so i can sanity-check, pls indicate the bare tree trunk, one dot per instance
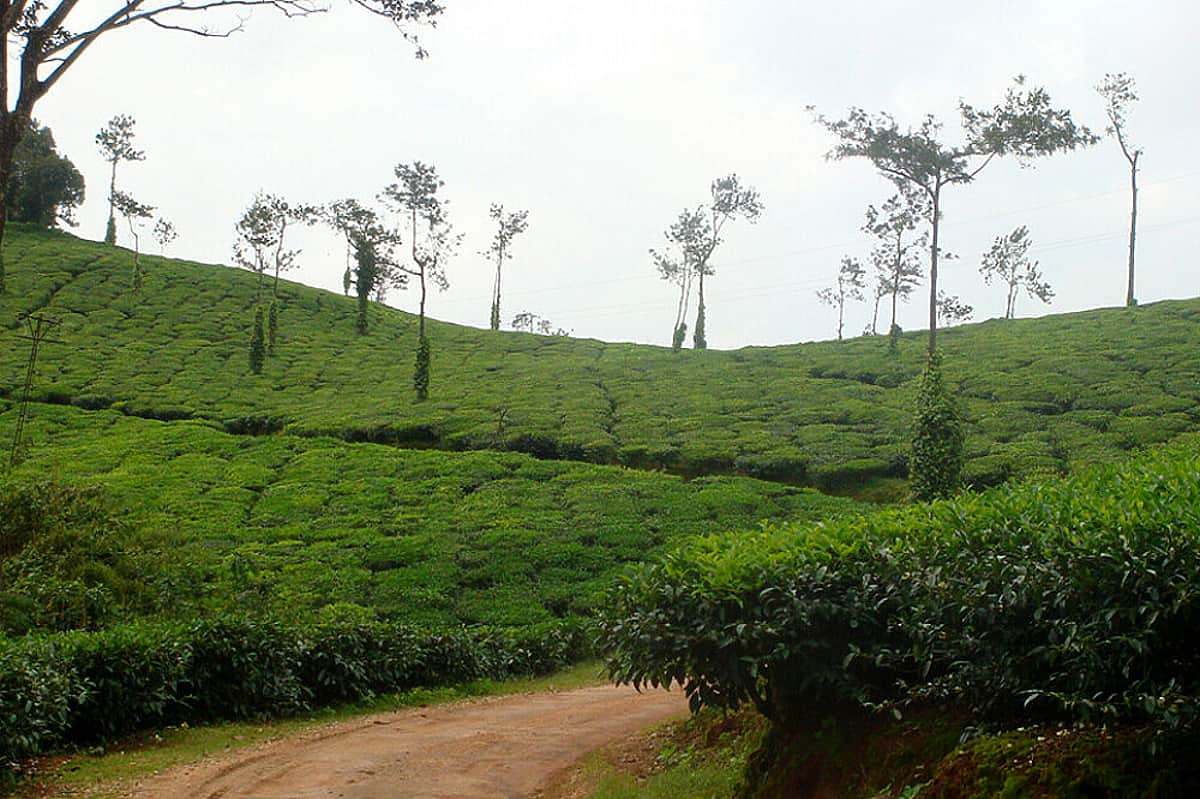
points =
(495, 321)
(841, 308)
(933, 269)
(110, 232)
(1129, 298)
(875, 314)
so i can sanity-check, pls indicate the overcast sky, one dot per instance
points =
(604, 120)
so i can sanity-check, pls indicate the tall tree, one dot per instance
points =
(849, 286)
(135, 213)
(373, 247)
(1025, 125)
(1118, 93)
(896, 255)
(44, 187)
(41, 40)
(116, 145)
(1008, 262)
(677, 263)
(432, 243)
(508, 226)
(261, 237)
(730, 200)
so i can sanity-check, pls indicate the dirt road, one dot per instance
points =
(498, 747)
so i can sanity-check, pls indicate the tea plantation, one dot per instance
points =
(1038, 395)
(290, 524)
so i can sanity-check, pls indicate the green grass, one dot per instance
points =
(1039, 395)
(104, 772)
(292, 524)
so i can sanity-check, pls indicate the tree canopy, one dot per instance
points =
(44, 187)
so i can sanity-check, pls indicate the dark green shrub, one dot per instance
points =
(421, 370)
(679, 337)
(258, 351)
(272, 325)
(1071, 598)
(242, 669)
(935, 467)
(37, 690)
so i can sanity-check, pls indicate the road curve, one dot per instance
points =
(496, 747)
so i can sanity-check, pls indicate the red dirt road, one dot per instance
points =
(498, 747)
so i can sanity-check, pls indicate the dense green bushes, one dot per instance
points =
(83, 687)
(293, 524)
(1075, 598)
(1036, 394)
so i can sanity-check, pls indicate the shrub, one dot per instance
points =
(937, 448)
(1072, 598)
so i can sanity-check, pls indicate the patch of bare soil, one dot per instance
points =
(498, 747)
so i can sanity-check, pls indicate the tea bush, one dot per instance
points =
(1070, 598)
(81, 687)
(790, 413)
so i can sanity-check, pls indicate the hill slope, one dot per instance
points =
(1038, 394)
(290, 524)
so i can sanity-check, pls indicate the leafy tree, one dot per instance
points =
(1008, 262)
(1024, 126)
(135, 213)
(258, 351)
(44, 187)
(43, 39)
(1118, 93)
(677, 264)
(508, 227)
(373, 247)
(692, 239)
(261, 234)
(935, 470)
(165, 234)
(896, 256)
(432, 243)
(116, 145)
(730, 200)
(431, 237)
(952, 309)
(849, 286)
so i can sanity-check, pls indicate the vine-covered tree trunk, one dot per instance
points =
(421, 372)
(698, 340)
(110, 232)
(257, 349)
(935, 468)
(933, 269)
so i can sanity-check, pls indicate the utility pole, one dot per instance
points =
(37, 327)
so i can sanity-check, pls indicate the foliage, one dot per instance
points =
(115, 141)
(84, 687)
(1069, 599)
(1119, 94)
(261, 235)
(373, 246)
(164, 233)
(895, 257)
(935, 469)
(508, 226)
(258, 351)
(1008, 262)
(44, 187)
(293, 524)
(692, 239)
(952, 309)
(1035, 394)
(1024, 126)
(272, 325)
(421, 369)
(849, 286)
(67, 560)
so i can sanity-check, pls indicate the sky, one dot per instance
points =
(605, 120)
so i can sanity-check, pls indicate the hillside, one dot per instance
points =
(1041, 394)
(290, 525)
